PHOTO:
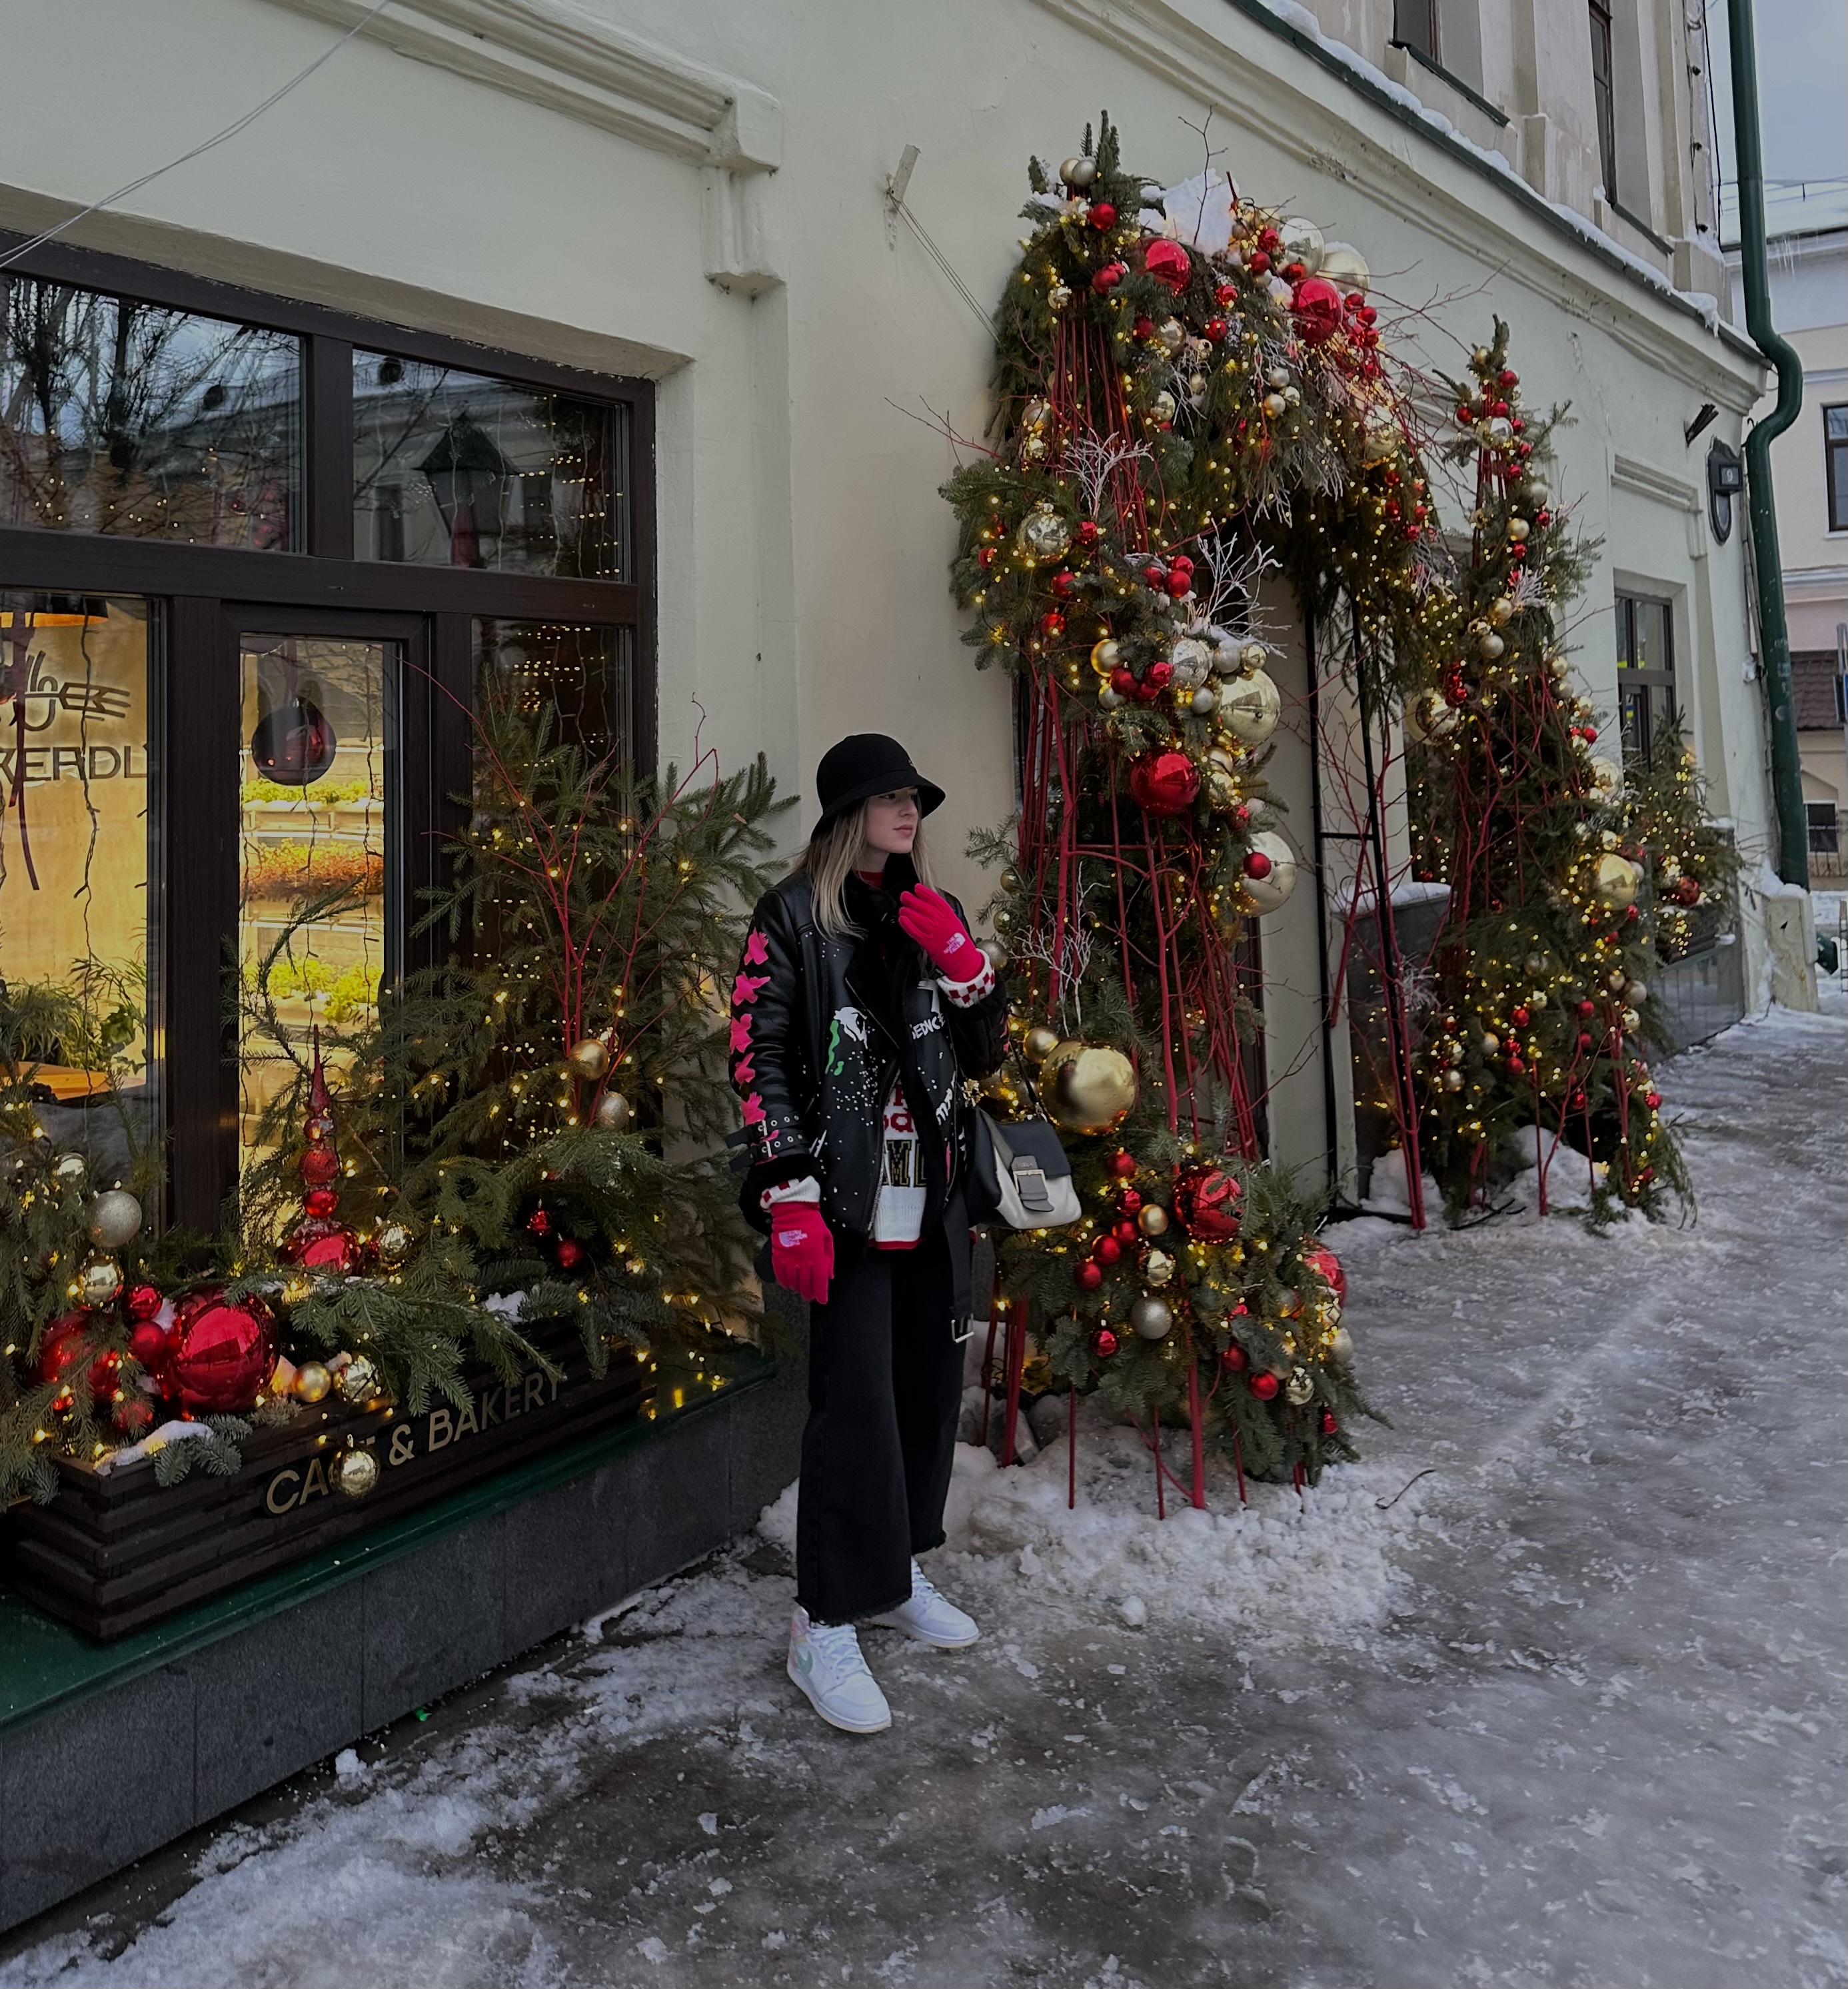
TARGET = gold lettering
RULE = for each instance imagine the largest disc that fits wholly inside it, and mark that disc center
(440, 1418)
(276, 1486)
(489, 1415)
(315, 1484)
(465, 1424)
(535, 1389)
(404, 1444)
(556, 1379)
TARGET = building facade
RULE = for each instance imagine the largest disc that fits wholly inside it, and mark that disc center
(1808, 227)
(586, 344)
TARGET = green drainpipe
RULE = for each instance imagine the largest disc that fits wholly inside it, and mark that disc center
(1774, 635)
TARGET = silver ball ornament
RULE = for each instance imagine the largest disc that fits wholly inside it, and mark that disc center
(115, 1219)
(1152, 1318)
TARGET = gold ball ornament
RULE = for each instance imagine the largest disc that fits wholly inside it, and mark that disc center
(1162, 406)
(1250, 708)
(1266, 893)
(1039, 1043)
(1152, 1318)
(115, 1218)
(1172, 334)
(1607, 778)
(1043, 533)
(615, 1113)
(1302, 242)
(1491, 648)
(1300, 1388)
(1192, 659)
(1106, 656)
(395, 1243)
(1158, 1269)
(358, 1381)
(1253, 656)
(1631, 1019)
(1059, 296)
(1275, 406)
(1086, 1087)
(1081, 171)
(69, 1170)
(1429, 716)
(1452, 1080)
(1501, 611)
(312, 1382)
(98, 1282)
(1616, 880)
(1152, 1219)
(355, 1472)
(589, 1059)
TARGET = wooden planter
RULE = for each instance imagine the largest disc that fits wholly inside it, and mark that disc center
(114, 1551)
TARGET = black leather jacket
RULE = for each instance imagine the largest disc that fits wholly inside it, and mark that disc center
(822, 1026)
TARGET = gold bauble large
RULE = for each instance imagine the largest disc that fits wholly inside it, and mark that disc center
(1192, 661)
(98, 1282)
(1043, 533)
(1429, 716)
(1086, 1088)
(1039, 1043)
(355, 1472)
(395, 1243)
(1106, 656)
(614, 1112)
(1152, 1219)
(1616, 880)
(358, 1381)
(1249, 708)
(312, 1382)
(1266, 893)
(589, 1059)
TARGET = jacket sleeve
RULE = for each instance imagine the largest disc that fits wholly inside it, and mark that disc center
(768, 1064)
(978, 1029)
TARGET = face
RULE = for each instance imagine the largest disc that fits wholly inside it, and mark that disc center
(891, 822)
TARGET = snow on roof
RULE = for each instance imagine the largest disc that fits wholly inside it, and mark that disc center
(1791, 206)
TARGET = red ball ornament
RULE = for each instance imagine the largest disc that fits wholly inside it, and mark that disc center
(569, 1254)
(1215, 328)
(1063, 585)
(1167, 261)
(1103, 214)
(1163, 783)
(1130, 1200)
(1330, 1425)
(1258, 263)
(1234, 1360)
(1223, 293)
(985, 556)
(149, 1344)
(221, 1353)
(539, 1222)
(1107, 279)
(1122, 1165)
(1522, 1016)
(143, 1302)
(1088, 533)
(1207, 1204)
(1687, 892)
(1155, 575)
(1588, 1007)
(1257, 864)
(1159, 675)
(1127, 1233)
(318, 1244)
(1180, 582)
(1585, 1039)
(318, 1165)
(134, 1415)
(320, 1201)
(1263, 1386)
(1104, 1342)
(1052, 624)
(1653, 1099)
(1088, 1276)
(65, 1345)
(1144, 327)
(1108, 1250)
(1317, 308)
(1327, 1266)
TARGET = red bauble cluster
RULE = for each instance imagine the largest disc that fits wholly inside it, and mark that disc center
(1207, 1204)
(1163, 783)
(1168, 263)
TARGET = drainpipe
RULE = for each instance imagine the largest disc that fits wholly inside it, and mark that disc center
(1774, 635)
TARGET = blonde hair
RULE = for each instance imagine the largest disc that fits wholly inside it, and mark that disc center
(828, 860)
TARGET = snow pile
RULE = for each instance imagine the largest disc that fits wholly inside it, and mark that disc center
(1280, 1569)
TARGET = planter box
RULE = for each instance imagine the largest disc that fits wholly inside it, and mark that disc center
(115, 1551)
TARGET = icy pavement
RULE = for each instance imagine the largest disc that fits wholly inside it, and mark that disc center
(1569, 1712)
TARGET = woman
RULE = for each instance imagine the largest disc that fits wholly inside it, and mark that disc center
(861, 1005)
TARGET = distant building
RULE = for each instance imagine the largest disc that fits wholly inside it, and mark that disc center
(1808, 226)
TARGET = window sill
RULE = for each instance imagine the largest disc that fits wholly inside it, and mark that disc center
(1642, 227)
(1497, 118)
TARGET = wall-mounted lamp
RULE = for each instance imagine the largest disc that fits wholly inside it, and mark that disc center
(1725, 479)
(1703, 420)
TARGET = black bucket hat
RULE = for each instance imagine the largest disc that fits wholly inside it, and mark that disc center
(867, 764)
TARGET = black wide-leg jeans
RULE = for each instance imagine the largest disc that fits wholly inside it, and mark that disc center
(885, 1383)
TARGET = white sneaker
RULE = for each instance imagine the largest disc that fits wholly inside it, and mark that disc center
(824, 1660)
(929, 1618)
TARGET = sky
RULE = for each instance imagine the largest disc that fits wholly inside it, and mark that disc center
(1802, 47)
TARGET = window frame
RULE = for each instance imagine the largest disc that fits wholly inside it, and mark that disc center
(1835, 468)
(1649, 680)
(1604, 92)
(202, 595)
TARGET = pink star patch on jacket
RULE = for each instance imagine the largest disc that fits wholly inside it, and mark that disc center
(754, 1110)
(757, 950)
(746, 988)
(745, 1070)
(740, 1033)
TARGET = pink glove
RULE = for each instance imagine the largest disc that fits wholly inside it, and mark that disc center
(801, 1250)
(930, 918)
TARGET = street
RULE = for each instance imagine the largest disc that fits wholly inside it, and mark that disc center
(1567, 1710)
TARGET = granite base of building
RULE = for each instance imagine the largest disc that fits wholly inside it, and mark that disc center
(97, 1771)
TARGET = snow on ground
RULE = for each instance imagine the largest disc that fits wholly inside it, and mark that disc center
(1566, 1712)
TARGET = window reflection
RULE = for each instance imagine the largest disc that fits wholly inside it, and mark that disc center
(143, 422)
(455, 468)
(317, 763)
(77, 815)
(575, 675)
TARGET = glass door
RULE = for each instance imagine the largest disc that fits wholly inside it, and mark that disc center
(319, 852)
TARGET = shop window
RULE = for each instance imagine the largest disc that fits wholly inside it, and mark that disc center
(143, 422)
(455, 468)
(318, 853)
(574, 678)
(1646, 671)
(79, 814)
(1604, 104)
(1835, 465)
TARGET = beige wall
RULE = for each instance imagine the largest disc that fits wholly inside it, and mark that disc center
(747, 260)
